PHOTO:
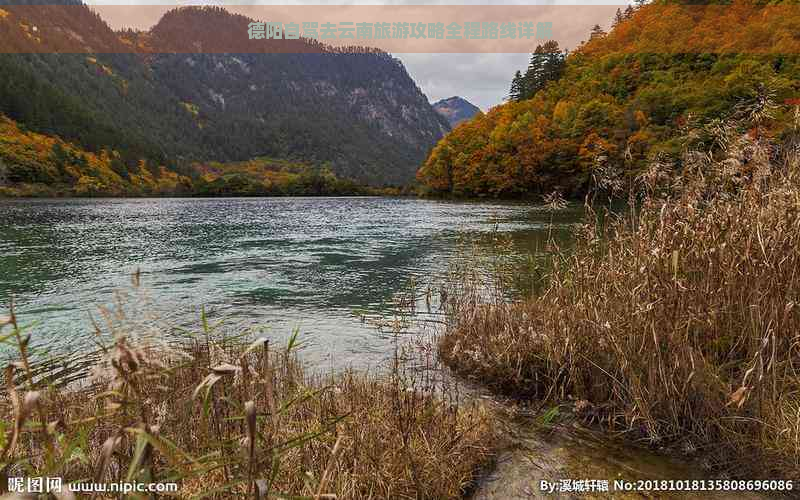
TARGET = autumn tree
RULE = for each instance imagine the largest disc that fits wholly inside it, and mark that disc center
(620, 100)
(120, 168)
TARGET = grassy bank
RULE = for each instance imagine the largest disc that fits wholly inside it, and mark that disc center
(677, 322)
(226, 419)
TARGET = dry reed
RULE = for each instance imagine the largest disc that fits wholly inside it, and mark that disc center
(229, 420)
(679, 321)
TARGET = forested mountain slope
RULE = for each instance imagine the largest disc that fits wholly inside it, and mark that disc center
(176, 102)
(624, 97)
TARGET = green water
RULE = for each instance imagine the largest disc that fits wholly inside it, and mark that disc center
(319, 264)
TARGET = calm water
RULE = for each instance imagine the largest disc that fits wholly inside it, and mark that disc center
(314, 263)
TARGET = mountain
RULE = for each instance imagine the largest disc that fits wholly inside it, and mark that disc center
(186, 96)
(456, 110)
(623, 99)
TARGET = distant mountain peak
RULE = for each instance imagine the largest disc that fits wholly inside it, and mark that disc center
(456, 109)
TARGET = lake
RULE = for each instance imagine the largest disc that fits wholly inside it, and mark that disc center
(317, 264)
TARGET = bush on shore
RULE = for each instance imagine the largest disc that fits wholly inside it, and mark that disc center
(678, 321)
(228, 420)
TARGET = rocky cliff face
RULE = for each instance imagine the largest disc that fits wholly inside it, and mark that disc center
(180, 99)
(456, 110)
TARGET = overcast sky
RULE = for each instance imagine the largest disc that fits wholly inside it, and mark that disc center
(483, 78)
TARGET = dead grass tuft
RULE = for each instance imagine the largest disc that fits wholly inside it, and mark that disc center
(229, 420)
(679, 321)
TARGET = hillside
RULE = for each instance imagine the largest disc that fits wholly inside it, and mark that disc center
(33, 164)
(356, 110)
(455, 109)
(623, 99)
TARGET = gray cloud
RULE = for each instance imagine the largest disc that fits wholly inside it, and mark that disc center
(482, 79)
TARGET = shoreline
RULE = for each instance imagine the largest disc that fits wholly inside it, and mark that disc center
(673, 323)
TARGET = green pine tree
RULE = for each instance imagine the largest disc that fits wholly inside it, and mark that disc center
(515, 93)
(597, 32)
(619, 17)
(628, 12)
(546, 64)
(532, 81)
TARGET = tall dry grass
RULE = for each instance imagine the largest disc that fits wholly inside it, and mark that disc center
(226, 419)
(679, 321)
